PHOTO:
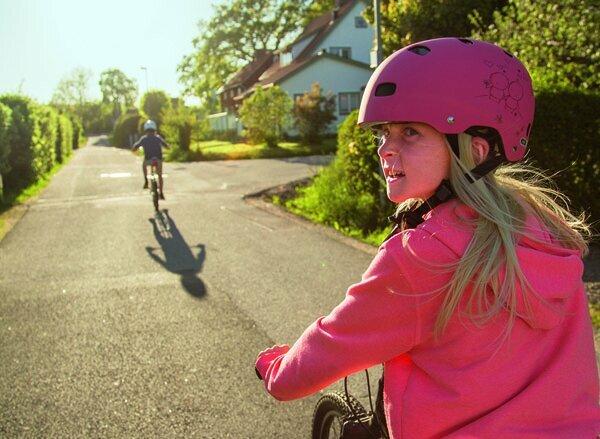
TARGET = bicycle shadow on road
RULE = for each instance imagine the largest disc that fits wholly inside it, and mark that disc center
(178, 255)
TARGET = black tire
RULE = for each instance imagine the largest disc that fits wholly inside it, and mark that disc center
(155, 195)
(332, 410)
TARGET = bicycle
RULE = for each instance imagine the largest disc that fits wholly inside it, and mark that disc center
(153, 177)
(339, 415)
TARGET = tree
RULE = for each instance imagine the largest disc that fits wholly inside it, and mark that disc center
(266, 114)
(313, 113)
(5, 124)
(231, 37)
(558, 40)
(118, 90)
(178, 124)
(407, 21)
(154, 103)
(72, 91)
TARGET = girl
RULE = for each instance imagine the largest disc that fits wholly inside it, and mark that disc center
(475, 303)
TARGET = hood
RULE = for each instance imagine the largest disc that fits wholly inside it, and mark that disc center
(554, 274)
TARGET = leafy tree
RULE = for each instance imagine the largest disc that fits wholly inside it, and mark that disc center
(559, 40)
(266, 114)
(316, 9)
(313, 113)
(71, 93)
(155, 102)
(118, 90)
(407, 21)
(231, 37)
(179, 123)
(5, 123)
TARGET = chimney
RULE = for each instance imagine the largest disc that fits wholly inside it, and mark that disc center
(336, 10)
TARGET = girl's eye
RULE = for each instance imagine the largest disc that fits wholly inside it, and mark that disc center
(408, 131)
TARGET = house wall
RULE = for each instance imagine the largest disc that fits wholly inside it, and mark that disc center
(332, 75)
(345, 34)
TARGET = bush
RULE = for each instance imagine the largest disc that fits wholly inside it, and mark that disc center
(178, 126)
(330, 200)
(228, 135)
(266, 114)
(127, 129)
(64, 138)
(5, 124)
(313, 113)
(96, 117)
(565, 139)
(20, 159)
(77, 137)
(349, 194)
(45, 148)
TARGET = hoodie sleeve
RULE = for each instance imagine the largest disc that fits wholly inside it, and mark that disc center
(376, 321)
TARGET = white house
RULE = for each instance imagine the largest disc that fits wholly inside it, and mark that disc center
(333, 50)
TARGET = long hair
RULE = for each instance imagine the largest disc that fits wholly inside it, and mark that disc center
(502, 200)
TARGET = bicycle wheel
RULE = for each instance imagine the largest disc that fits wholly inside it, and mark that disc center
(332, 411)
(155, 194)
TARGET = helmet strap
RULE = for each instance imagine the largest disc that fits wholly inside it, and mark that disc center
(409, 219)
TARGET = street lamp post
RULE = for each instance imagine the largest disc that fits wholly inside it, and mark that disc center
(376, 53)
(145, 69)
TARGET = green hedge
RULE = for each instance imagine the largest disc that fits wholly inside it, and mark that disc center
(565, 139)
(22, 134)
(126, 129)
(5, 125)
(64, 138)
(37, 137)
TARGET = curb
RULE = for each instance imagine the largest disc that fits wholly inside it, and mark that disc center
(257, 199)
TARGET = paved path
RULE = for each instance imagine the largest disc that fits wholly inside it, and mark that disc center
(117, 323)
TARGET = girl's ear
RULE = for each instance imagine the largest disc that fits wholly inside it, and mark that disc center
(480, 148)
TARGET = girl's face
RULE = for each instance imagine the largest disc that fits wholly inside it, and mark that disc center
(414, 158)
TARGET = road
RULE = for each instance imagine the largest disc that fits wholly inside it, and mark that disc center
(115, 322)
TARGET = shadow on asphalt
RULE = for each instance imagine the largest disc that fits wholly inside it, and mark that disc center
(178, 255)
(101, 141)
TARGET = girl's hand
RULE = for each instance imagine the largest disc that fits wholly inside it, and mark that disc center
(266, 357)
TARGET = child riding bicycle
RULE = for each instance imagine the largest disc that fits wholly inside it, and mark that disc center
(152, 144)
(475, 304)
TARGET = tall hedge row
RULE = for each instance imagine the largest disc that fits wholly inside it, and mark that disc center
(5, 124)
(34, 139)
(565, 141)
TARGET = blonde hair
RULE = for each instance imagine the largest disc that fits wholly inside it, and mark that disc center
(502, 199)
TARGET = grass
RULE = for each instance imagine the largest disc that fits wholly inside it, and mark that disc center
(225, 150)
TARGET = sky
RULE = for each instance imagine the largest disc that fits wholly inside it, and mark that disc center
(42, 41)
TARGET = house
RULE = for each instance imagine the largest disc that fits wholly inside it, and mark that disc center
(333, 50)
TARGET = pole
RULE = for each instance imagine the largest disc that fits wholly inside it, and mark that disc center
(145, 69)
(378, 52)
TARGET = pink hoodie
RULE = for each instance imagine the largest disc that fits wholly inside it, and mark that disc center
(543, 383)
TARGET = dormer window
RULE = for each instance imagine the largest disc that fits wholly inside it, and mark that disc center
(344, 52)
(360, 22)
(285, 59)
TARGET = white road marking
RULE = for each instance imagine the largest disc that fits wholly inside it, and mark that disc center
(116, 175)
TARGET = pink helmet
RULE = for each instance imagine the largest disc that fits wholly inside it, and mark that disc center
(453, 84)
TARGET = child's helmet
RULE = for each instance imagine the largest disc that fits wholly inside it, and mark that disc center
(454, 84)
(149, 125)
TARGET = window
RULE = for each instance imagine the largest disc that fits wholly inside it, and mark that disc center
(348, 102)
(344, 52)
(359, 22)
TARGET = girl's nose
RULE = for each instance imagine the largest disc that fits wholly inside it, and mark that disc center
(384, 150)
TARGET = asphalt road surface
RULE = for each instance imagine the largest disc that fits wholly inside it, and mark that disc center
(117, 322)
